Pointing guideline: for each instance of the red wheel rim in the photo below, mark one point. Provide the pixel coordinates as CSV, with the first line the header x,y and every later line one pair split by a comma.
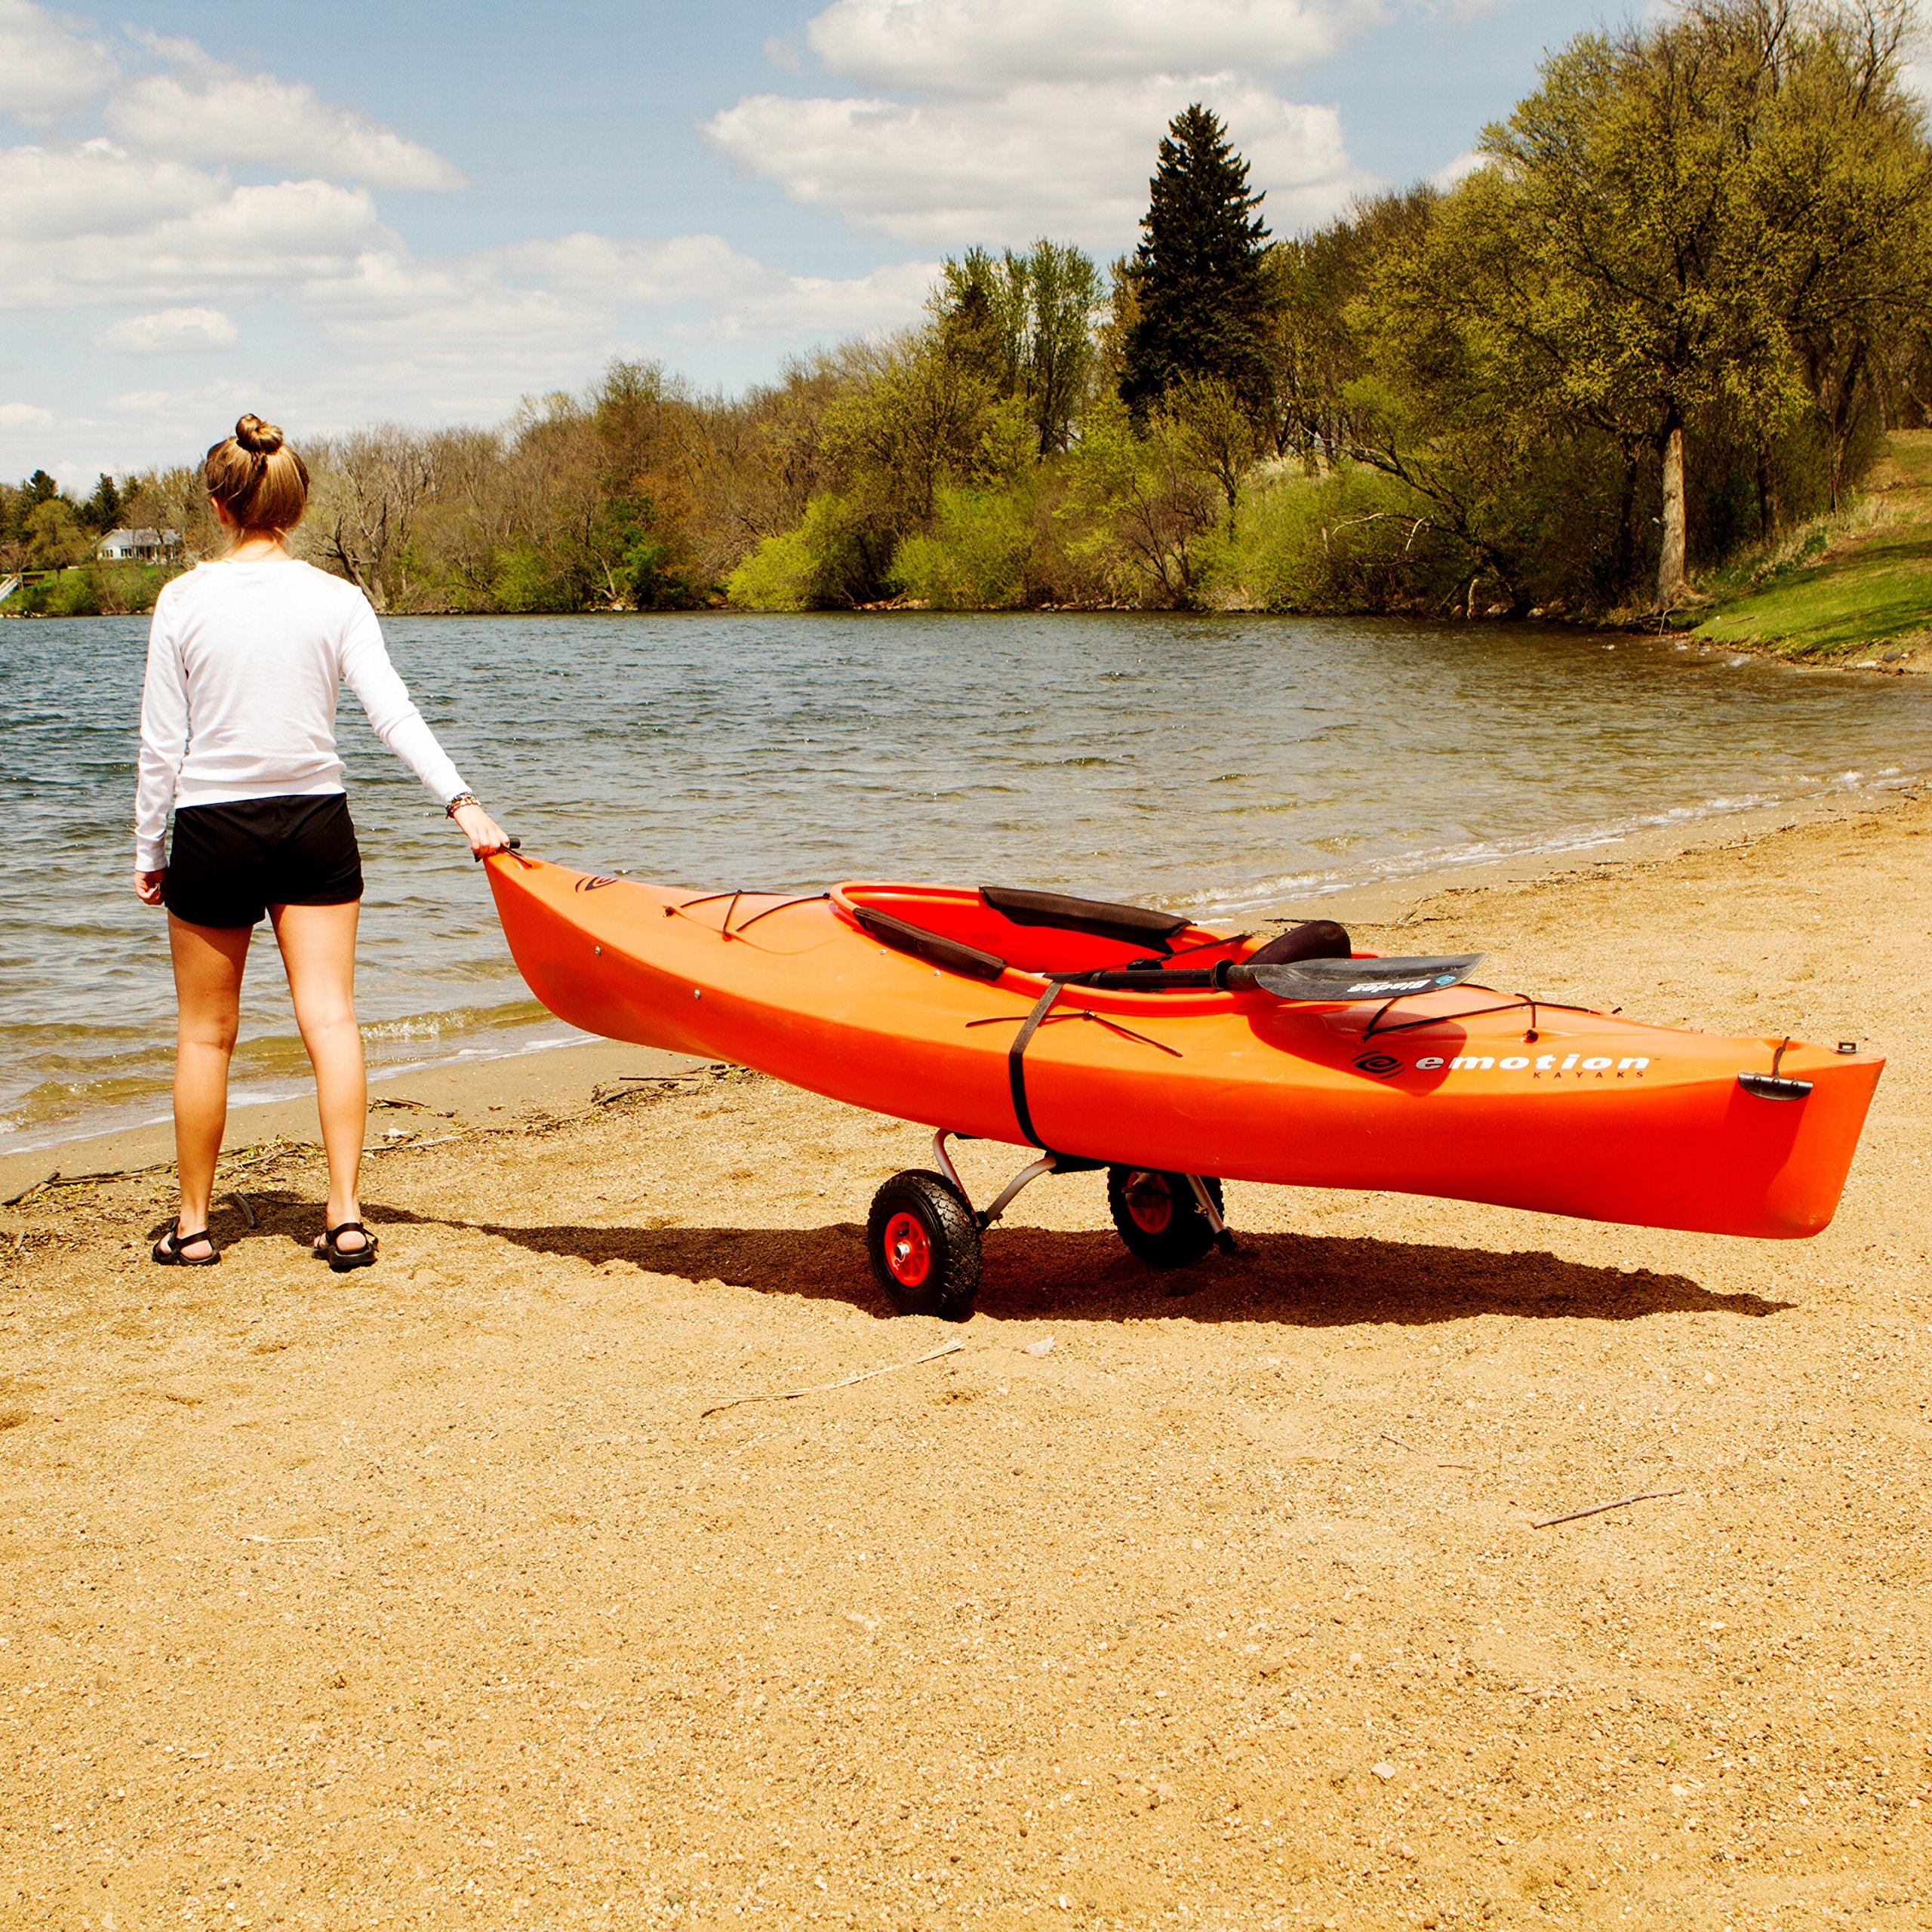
x,y
909,1250
1149,1202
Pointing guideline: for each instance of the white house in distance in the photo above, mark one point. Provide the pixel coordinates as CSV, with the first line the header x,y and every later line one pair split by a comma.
x,y
138,546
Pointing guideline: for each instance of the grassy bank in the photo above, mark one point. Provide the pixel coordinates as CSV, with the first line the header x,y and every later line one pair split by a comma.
x,y
1854,587
89,590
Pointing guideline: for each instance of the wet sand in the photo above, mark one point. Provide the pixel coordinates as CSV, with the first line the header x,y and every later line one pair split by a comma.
x,y
453,1095
429,1595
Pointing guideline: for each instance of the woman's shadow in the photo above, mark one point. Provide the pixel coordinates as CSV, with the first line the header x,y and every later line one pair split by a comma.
x,y
1315,1280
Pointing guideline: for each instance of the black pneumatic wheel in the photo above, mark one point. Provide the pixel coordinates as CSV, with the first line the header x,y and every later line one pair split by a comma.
x,y
925,1245
1158,1216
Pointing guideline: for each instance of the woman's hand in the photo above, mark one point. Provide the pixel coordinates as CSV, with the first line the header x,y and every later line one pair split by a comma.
x,y
484,834
147,886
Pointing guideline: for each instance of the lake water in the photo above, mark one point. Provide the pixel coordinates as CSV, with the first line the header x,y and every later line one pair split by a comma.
x,y
1216,765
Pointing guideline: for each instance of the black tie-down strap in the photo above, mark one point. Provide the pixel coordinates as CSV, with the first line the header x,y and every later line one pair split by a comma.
x,y
1015,1063
1016,1054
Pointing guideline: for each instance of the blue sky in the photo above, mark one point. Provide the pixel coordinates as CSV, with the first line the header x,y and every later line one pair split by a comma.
x,y
423,213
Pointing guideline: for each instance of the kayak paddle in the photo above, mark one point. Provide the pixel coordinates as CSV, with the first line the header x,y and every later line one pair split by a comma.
x,y
1335,981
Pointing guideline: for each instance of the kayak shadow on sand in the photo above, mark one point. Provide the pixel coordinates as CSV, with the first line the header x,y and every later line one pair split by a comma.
x,y
1310,1281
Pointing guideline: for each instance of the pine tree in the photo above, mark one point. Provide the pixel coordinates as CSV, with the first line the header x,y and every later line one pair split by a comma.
x,y
102,511
1200,277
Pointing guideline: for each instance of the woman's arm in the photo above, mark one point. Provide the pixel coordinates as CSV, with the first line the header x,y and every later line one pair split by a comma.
x,y
383,696
164,745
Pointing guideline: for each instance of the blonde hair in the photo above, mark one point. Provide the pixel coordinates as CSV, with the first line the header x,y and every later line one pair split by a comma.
x,y
254,476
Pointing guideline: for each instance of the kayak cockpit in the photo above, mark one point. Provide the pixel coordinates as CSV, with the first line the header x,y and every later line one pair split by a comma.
x,y
985,931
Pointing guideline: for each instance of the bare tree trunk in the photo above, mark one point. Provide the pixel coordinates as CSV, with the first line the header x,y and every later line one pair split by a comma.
x,y
1673,582
345,557
1768,497
1625,564
1844,412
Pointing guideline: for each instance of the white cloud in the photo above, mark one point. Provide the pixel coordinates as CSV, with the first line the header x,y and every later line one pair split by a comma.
x,y
259,234
207,111
189,409
201,109
94,225
888,298
445,341
687,268
49,64
392,303
1452,173
130,431
984,46
1071,160
55,194
466,337
744,299
169,332
1043,116
153,222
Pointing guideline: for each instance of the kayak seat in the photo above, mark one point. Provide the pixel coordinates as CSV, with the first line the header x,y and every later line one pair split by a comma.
x,y
1134,925
1313,939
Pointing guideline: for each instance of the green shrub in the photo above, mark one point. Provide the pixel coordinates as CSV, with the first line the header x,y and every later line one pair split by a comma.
x,y
1344,541
523,584
91,590
777,576
822,565
141,585
976,556
74,593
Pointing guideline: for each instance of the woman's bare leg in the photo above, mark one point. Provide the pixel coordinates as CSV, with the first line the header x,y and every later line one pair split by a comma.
x,y
318,948
208,962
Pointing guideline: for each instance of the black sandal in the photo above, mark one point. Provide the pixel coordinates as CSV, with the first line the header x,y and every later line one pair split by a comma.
x,y
167,1249
342,1258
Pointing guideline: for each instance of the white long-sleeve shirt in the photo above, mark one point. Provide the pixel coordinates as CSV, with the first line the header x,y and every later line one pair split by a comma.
x,y
244,662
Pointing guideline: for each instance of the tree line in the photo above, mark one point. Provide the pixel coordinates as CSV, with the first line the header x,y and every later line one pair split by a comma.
x,y
1666,316
42,528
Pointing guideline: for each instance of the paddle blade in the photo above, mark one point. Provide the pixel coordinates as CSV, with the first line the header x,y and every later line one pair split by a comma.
x,y
1343,980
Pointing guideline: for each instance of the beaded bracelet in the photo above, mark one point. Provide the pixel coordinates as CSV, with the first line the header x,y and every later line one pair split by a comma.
x,y
456,804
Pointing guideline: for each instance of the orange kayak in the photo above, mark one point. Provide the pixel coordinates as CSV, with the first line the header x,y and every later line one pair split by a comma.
x,y
911,1000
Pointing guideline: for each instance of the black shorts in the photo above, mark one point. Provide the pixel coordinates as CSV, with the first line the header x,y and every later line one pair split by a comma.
x,y
229,863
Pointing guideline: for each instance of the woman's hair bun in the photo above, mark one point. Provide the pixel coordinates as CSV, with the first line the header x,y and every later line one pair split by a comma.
x,y
257,437
260,483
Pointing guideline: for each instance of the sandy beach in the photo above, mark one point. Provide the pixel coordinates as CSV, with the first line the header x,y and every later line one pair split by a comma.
x,y
432,1596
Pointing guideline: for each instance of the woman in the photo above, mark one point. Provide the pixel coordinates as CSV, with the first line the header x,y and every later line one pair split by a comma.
x,y
238,735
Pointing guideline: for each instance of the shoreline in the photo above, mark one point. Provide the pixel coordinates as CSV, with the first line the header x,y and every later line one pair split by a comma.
x,y
1388,901
462,1091
405,1105
1911,653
